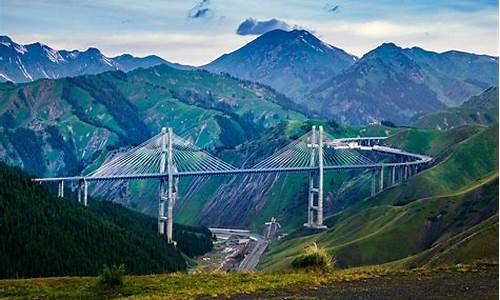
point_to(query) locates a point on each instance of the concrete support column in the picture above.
(320, 184)
(393, 181)
(310, 211)
(170, 208)
(79, 191)
(60, 191)
(316, 142)
(381, 179)
(163, 198)
(372, 193)
(85, 192)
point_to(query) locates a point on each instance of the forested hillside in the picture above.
(41, 235)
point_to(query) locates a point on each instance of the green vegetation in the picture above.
(185, 286)
(480, 109)
(96, 113)
(112, 276)
(41, 235)
(313, 257)
(426, 220)
(252, 202)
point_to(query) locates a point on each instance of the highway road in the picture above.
(252, 259)
(257, 242)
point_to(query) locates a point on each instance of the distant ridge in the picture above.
(23, 63)
(387, 83)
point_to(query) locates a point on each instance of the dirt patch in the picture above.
(483, 285)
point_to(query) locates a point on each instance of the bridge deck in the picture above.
(419, 159)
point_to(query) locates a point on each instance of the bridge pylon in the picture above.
(315, 195)
(167, 194)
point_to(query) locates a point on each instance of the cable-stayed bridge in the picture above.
(167, 157)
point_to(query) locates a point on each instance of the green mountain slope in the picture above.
(436, 207)
(41, 235)
(398, 84)
(475, 243)
(249, 201)
(55, 127)
(481, 109)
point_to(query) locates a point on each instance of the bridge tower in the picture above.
(315, 203)
(165, 223)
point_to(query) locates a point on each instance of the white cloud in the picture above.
(477, 32)
(160, 27)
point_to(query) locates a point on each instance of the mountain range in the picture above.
(22, 63)
(388, 83)
(398, 84)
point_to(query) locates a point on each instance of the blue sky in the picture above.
(196, 32)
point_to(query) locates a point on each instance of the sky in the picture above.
(197, 32)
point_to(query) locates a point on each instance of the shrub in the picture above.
(313, 257)
(388, 124)
(112, 275)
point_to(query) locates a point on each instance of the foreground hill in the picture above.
(41, 235)
(480, 109)
(445, 214)
(476, 281)
(23, 63)
(55, 127)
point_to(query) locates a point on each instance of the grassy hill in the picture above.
(74, 122)
(443, 205)
(480, 109)
(478, 281)
(41, 235)
(249, 201)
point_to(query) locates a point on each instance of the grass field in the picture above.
(184, 286)
(440, 205)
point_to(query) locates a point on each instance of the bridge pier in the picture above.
(60, 191)
(372, 190)
(393, 181)
(82, 189)
(381, 179)
(310, 206)
(312, 222)
(165, 223)
(85, 192)
(79, 191)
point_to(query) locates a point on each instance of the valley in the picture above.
(285, 167)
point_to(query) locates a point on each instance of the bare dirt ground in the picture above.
(470, 285)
